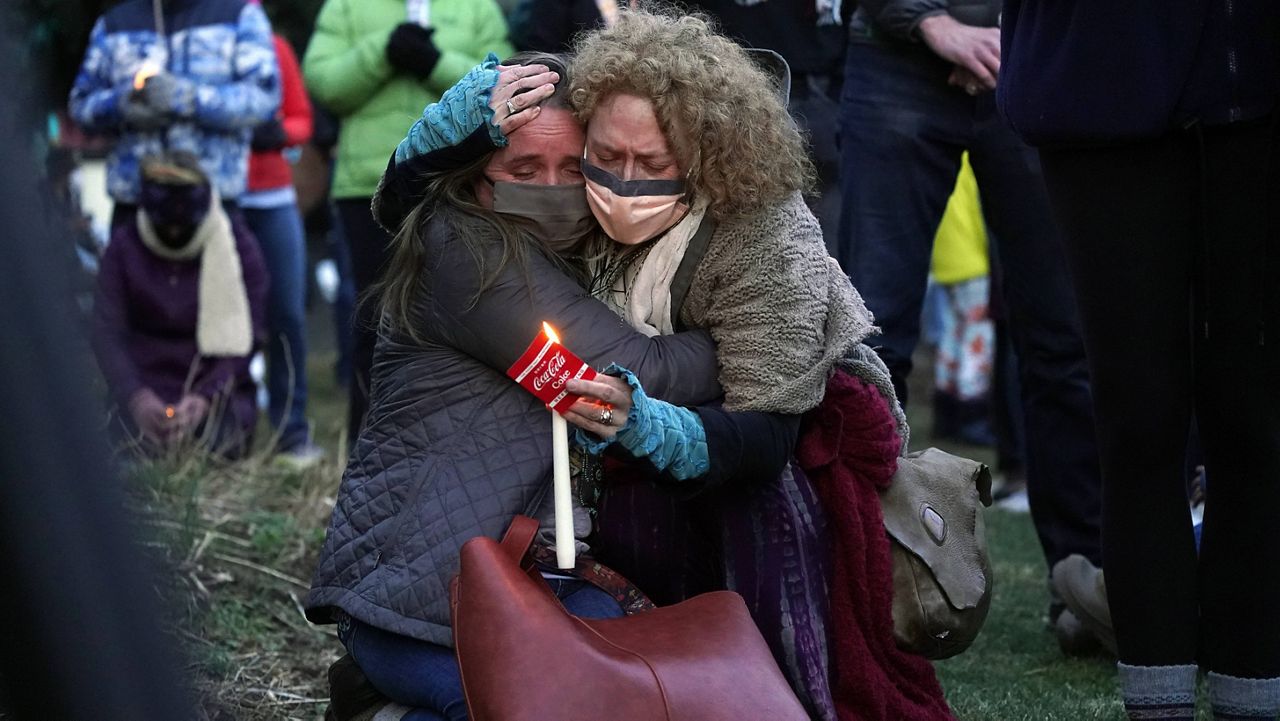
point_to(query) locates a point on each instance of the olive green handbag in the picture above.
(941, 570)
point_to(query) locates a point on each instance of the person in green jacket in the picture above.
(375, 64)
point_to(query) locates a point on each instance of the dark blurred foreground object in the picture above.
(79, 639)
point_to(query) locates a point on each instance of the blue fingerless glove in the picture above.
(460, 112)
(671, 437)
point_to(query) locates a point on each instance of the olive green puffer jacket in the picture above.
(347, 71)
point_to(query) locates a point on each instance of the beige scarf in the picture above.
(642, 292)
(223, 324)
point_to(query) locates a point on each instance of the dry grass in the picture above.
(238, 543)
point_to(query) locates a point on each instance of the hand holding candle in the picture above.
(135, 108)
(149, 69)
(545, 370)
(603, 407)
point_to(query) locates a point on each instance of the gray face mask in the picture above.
(560, 214)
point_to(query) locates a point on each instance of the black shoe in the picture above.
(350, 693)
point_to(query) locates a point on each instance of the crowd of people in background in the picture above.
(231, 160)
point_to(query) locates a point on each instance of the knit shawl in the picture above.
(779, 307)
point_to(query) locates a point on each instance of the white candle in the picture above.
(563, 494)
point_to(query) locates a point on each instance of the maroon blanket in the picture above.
(849, 448)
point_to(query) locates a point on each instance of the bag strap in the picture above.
(519, 537)
(683, 279)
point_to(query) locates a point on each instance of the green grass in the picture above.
(1014, 669)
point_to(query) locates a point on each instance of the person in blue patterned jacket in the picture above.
(215, 78)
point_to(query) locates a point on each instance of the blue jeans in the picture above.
(903, 130)
(280, 235)
(425, 675)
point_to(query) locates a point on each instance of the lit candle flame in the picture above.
(168, 412)
(147, 70)
(551, 332)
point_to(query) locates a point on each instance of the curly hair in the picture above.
(720, 112)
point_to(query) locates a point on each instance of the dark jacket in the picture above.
(897, 21)
(1101, 71)
(452, 448)
(144, 324)
(788, 28)
(549, 26)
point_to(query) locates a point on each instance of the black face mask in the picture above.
(559, 214)
(175, 237)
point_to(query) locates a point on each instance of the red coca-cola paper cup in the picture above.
(546, 367)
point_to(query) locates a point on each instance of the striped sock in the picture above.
(1243, 699)
(1166, 693)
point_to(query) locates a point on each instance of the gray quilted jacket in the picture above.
(452, 449)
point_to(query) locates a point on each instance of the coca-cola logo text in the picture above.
(551, 373)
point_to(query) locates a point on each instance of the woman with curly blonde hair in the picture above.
(693, 167)
(717, 110)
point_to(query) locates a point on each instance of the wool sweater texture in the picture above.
(781, 311)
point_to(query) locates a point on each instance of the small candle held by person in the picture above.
(148, 70)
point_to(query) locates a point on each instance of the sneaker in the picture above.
(1083, 589)
(1017, 502)
(1009, 484)
(300, 457)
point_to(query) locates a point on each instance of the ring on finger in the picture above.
(511, 107)
(606, 416)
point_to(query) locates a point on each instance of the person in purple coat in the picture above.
(180, 309)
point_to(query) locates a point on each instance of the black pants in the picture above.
(1173, 249)
(903, 130)
(369, 245)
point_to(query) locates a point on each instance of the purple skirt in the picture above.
(769, 544)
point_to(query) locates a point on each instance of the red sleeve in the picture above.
(294, 105)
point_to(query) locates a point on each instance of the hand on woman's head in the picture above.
(516, 98)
